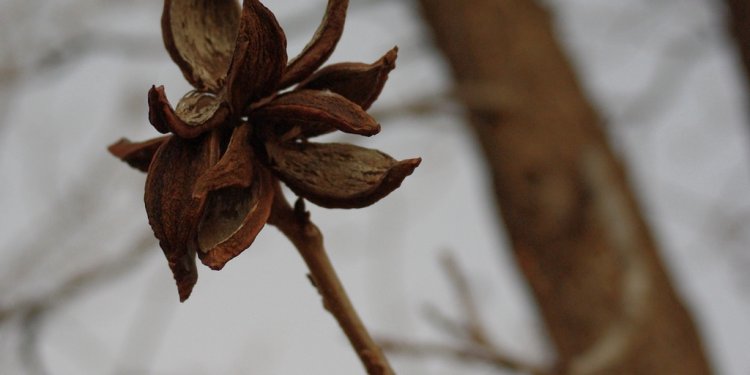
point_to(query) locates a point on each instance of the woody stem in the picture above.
(306, 237)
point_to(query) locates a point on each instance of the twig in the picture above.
(29, 351)
(306, 237)
(463, 353)
(474, 342)
(435, 317)
(96, 275)
(474, 326)
(34, 311)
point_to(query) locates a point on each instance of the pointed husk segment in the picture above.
(200, 37)
(233, 218)
(234, 169)
(137, 154)
(317, 112)
(320, 47)
(172, 210)
(259, 56)
(238, 196)
(360, 83)
(336, 175)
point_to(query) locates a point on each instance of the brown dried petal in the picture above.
(200, 37)
(259, 56)
(336, 175)
(137, 154)
(320, 48)
(360, 83)
(196, 113)
(172, 210)
(235, 169)
(233, 218)
(317, 112)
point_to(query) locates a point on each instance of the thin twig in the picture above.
(306, 237)
(474, 326)
(464, 353)
(29, 348)
(435, 317)
(34, 311)
(78, 283)
(474, 344)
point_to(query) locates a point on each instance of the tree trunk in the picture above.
(738, 21)
(576, 230)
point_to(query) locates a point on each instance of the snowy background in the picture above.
(73, 79)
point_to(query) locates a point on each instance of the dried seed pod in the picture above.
(137, 154)
(336, 175)
(210, 189)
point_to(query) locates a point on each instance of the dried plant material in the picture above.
(196, 113)
(172, 210)
(137, 154)
(259, 57)
(197, 108)
(235, 169)
(320, 48)
(313, 108)
(210, 188)
(200, 37)
(358, 82)
(336, 175)
(232, 219)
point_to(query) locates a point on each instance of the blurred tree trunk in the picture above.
(738, 20)
(576, 230)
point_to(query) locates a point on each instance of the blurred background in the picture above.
(84, 288)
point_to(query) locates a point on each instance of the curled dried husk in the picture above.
(316, 112)
(259, 56)
(137, 154)
(336, 175)
(200, 37)
(234, 169)
(232, 218)
(360, 83)
(197, 113)
(173, 211)
(320, 48)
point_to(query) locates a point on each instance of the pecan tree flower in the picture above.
(211, 182)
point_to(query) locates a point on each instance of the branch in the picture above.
(98, 274)
(474, 344)
(34, 311)
(296, 225)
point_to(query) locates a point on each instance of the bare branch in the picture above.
(306, 237)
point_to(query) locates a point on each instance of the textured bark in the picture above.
(576, 230)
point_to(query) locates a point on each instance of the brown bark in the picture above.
(576, 230)
(738, 22)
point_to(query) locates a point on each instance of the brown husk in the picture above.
(137, 154)
(337, 175)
